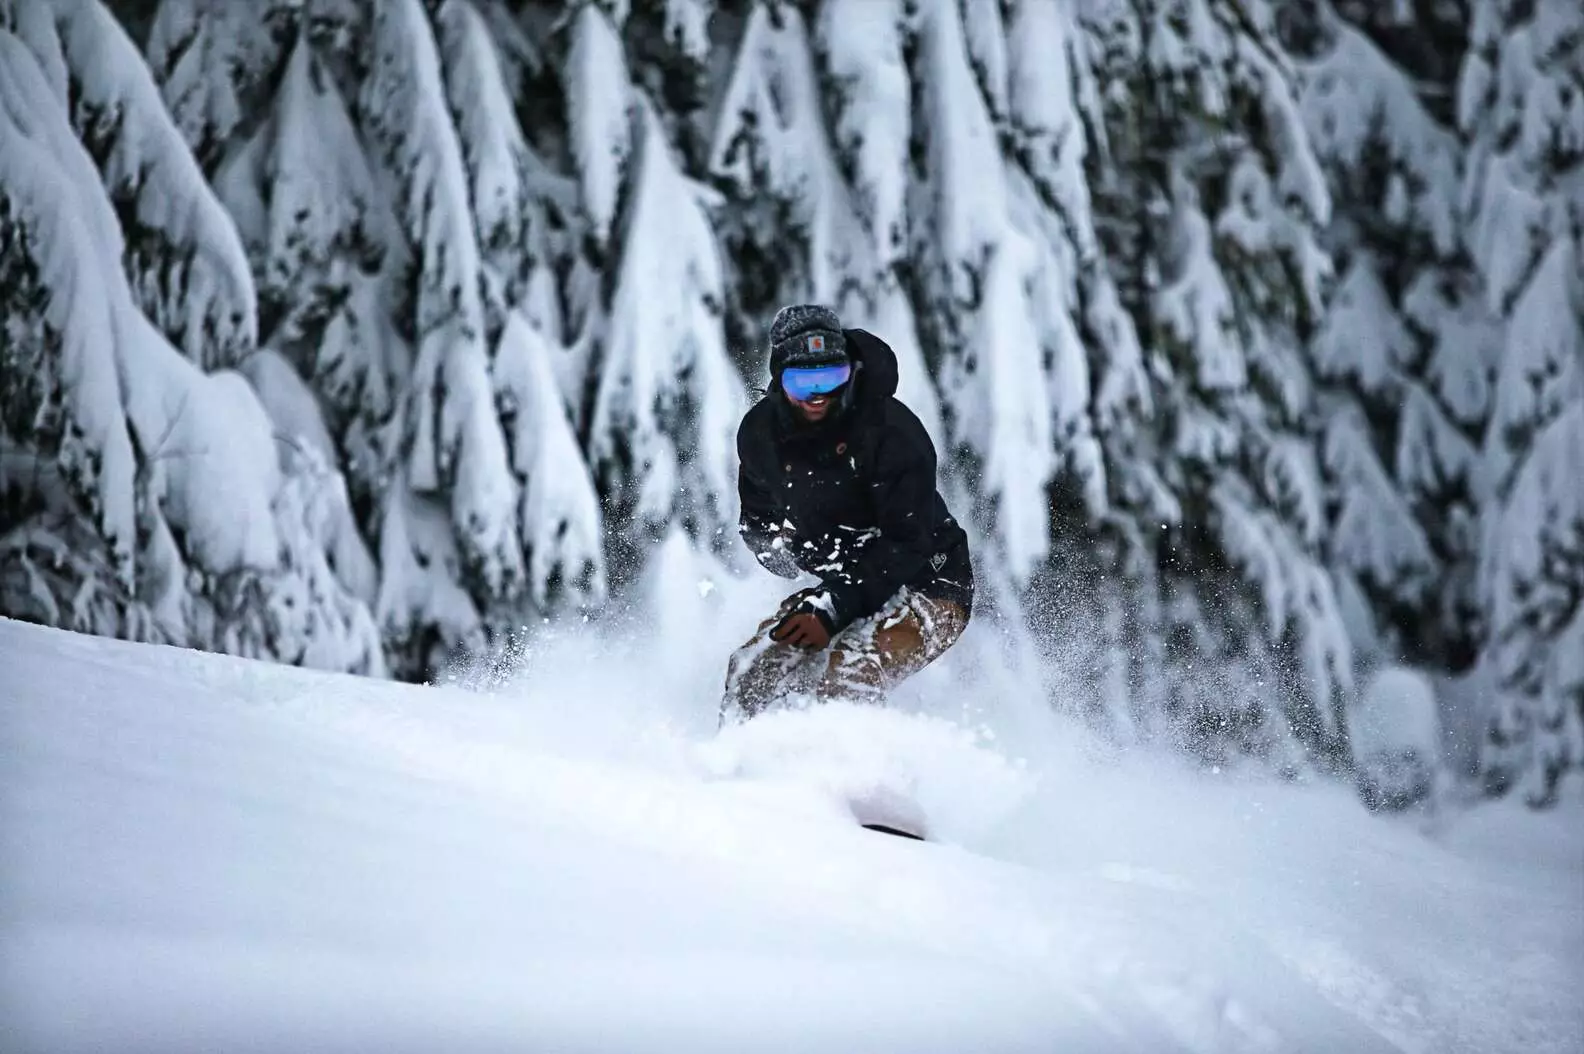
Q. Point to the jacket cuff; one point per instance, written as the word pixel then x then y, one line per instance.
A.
pixel 833 606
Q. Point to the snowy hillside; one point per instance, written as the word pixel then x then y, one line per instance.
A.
pixel 208 853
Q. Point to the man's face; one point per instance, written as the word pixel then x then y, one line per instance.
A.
pixel 813 391
pixel 815 407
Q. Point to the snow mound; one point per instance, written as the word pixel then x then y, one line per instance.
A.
pixel 1395 733
pixel 1396 712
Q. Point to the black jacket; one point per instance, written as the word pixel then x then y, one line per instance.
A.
pixel 852 499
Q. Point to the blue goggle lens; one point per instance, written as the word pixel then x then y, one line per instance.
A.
pixel 803 382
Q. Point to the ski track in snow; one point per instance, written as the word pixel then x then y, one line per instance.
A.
pixel 206 853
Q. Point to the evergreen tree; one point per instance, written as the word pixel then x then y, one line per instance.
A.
pixel 409 244
pixel 1405 350
pixel 69 464
pixel 658 394
pixel 186 525
pixel 810 150
pixel 1210 205
pixel 662 432
pixel 182 255
pixel 452 441
pixel 992 301
pixel 792 227
pixel 320 234
pixel 214 62
pixel 522 212
pixel 1521 104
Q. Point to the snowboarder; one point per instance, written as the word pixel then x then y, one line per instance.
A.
pixel 837 480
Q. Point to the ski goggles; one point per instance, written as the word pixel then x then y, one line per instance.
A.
pixel 802 383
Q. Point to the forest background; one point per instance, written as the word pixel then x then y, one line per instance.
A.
pixel 363 334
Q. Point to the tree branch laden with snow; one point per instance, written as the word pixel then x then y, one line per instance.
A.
pixel 183 256
pixel 667 401
pixel 454 440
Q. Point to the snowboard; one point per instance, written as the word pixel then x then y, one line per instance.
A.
pixel 888 811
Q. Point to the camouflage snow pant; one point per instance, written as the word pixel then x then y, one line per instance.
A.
pixel 863 662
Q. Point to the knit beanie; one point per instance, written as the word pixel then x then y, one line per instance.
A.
pixel 806 335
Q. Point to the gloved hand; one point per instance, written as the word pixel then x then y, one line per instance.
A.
pixel 801 629
pixel 807 620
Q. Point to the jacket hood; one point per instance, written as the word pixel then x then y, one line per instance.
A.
pixel 877 379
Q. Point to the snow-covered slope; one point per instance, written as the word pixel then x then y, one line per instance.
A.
pixel 202 853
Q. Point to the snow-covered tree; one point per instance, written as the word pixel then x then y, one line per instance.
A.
pixel 68 465
pixel 1405 349
pixel 1210 200
pixel 304 443
pixel 668 45
pixel 1521 104
pixel 213 61
pixel 311 214
pixel 792 231
pixel 182 255
pixel 816 209
pixel 410 249
pixel 659 398
pixel 599 94
pixel 989 302
pixel 182 523
pixel 453 443
pixel 795 230
pixel 523 212
pixel 667 401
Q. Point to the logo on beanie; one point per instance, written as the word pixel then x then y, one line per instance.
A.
pixel 816 342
